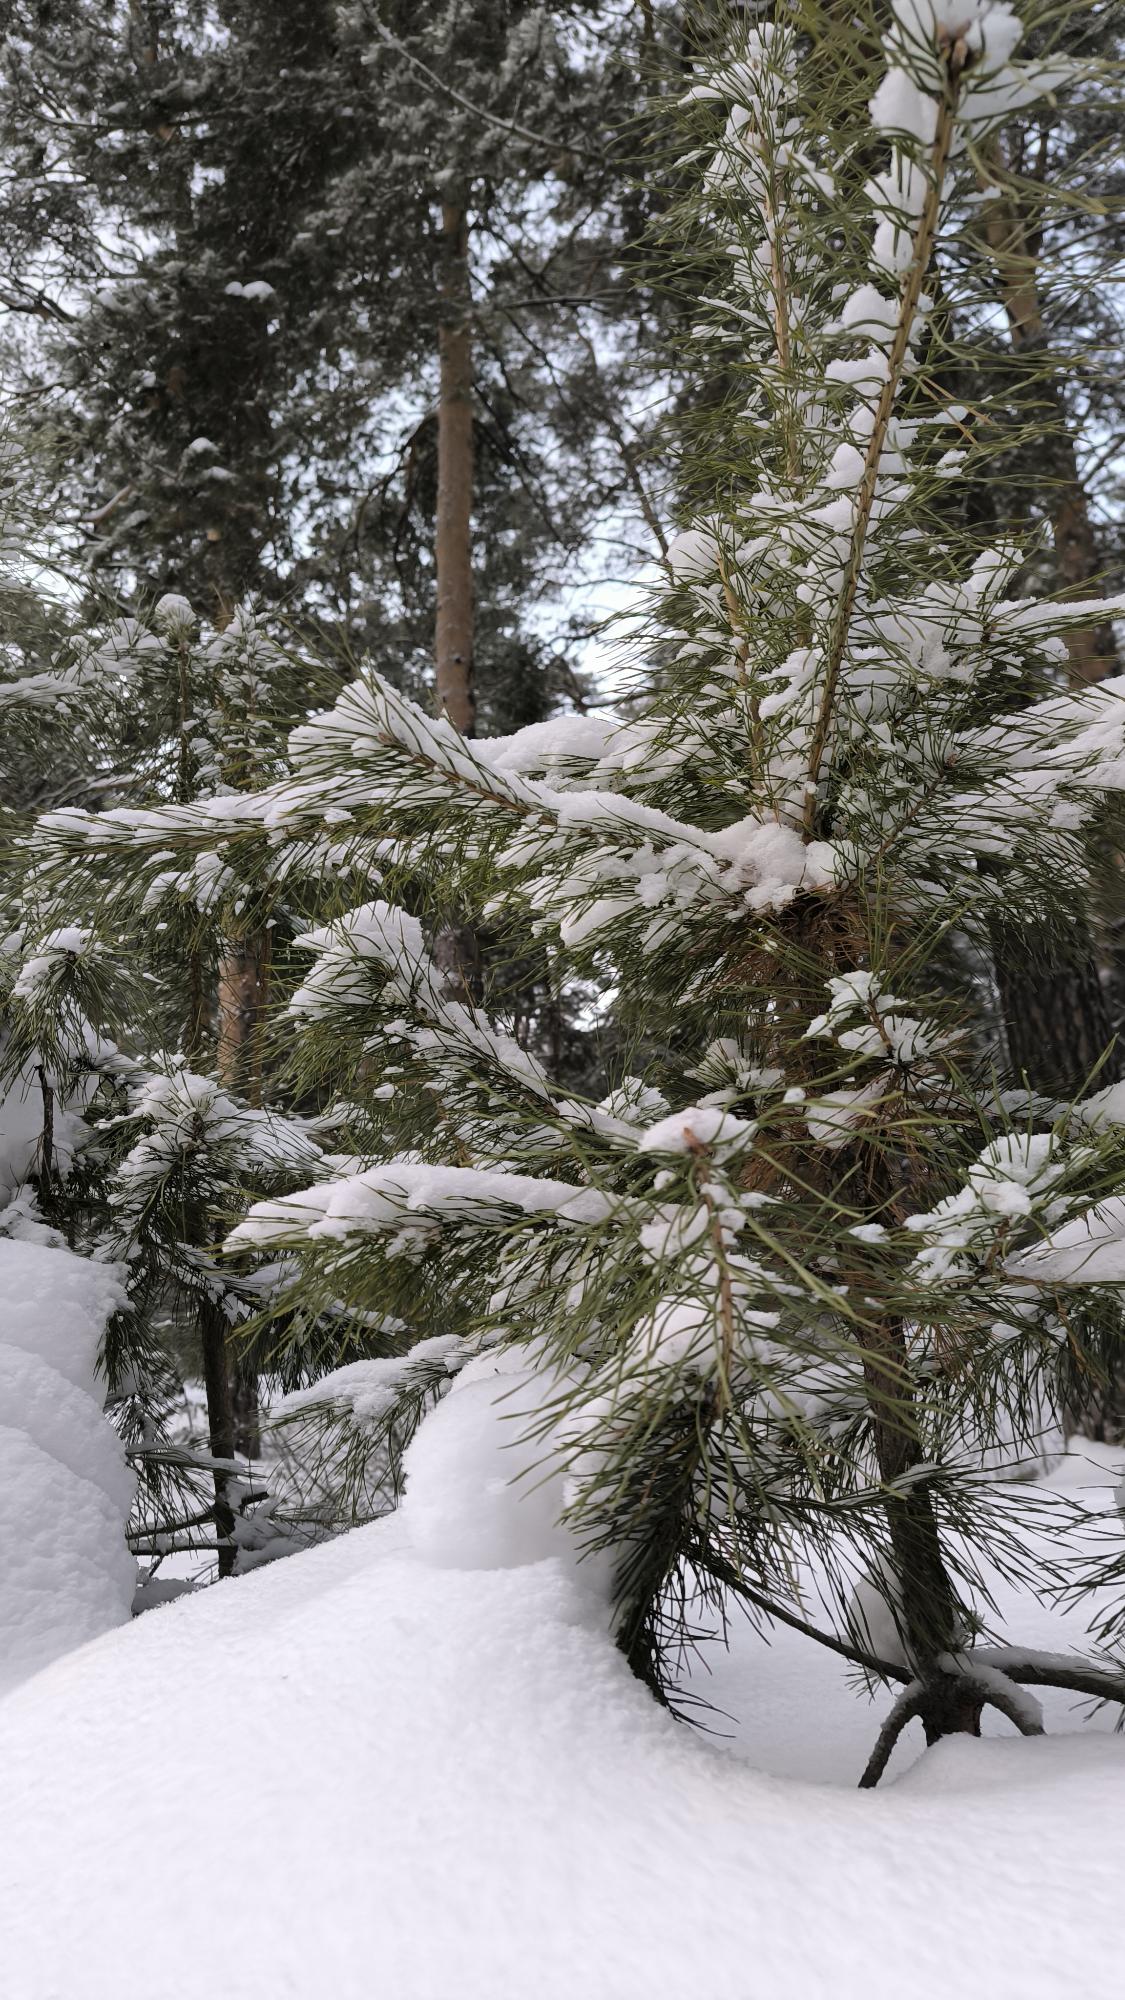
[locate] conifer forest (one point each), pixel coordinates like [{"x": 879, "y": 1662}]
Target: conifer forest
[{"x": 562, "y": 999}]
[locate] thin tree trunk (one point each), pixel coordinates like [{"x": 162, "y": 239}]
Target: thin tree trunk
[
  {"x": 927, "y": 1604},
  {"x": 47, "y": 1133},
  {"x": 453, "y": 554},
  {"x": 456, "y": 951},
  {"x": 243, "y": 978},
  {"x": 211, "y": 1320},
  {"x": 244, "y": 982},
  {"x": 930, "y": 1618},
  {"x": 220, "y": 1420},
  {"x": 246, "y": 1405}
]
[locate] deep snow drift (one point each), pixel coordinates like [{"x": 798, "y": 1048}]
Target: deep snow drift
[
  {"x": 65, "y": 1490},
  {"x": 366, "y": 1775}
]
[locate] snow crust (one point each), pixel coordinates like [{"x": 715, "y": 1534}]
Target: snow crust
[{"x": 65, "y": 1489}]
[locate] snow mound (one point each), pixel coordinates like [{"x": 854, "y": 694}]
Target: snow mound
[
  {"x": 487, "y": 1486},
  {"x": 65, "y": 1490},
  {"x": 454, "y": 1787}
]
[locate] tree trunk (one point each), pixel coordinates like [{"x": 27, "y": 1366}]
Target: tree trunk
[
  {"x": 1057, "y": 1023},
  {"x": 453, "y": 555},
  {"x": 220, "y": 1420},
  {"x": 930, "y": 1617},
  {"x": 246, "y": 1406},
  {"x": 244, "y": 981},
  {"x": 929, "y": 1613},
  {"x": 456, "y": 951}
]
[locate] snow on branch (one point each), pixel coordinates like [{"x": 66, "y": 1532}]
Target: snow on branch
[
  {"x": 443, "y": 1032},
  {"x": 411, "y": 1202}
]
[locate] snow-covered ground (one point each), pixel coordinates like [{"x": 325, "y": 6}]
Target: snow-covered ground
[
  {"x": 792, "y": 1708},
  {"x": 359, "y": 1773}
]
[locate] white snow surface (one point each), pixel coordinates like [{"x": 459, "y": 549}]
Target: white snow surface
[
  {"x": 21, "y": 1132},
  {"x": 453, "y": 1786},
  {"x": 398, "y": 1192},
  {"x": 65, "y": 1489}
]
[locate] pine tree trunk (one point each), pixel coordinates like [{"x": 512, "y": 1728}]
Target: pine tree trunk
[
  {"x": 1057, "y": 1023},
  {"x": 927, "y": 1606},
  {"x": 246, "y": 1407},
  {"x": 212, "y": 1322},
  {"x": 220, "y": 1420},
  {"x": 928, "y": 1603},
  {"x": 244, "y": 981},
  {"x": 456, "y": 951},
  {"x": 931, "y": 1621},
  {"x": 1093, "y": 651},
  {"x": 453, "y": 554}
]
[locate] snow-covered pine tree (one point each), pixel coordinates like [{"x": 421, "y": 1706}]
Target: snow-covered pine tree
[
  {"x": 1046, "y": 331},
  {"x": 66, "y": 1574},
  {"x": 50, "y": 736},
  {"x": 768, "y": 1302},
  {"x": 117, "y": 993}
]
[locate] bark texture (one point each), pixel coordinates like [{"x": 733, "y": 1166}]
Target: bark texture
[
  {"x": 245, "y": 1406},
  {"x": 947, "y": 1703},
  {"x": 244, "y": 983},
  {"x": 456, "y": 948},
  {"x": 1057, "y": 1022}
]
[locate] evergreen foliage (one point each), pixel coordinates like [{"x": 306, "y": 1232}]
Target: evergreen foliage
[
  {"x": 784, "y": 1289},
  {"x": 226, "y": 276},
  {"x": 115, "y": 1136}
]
